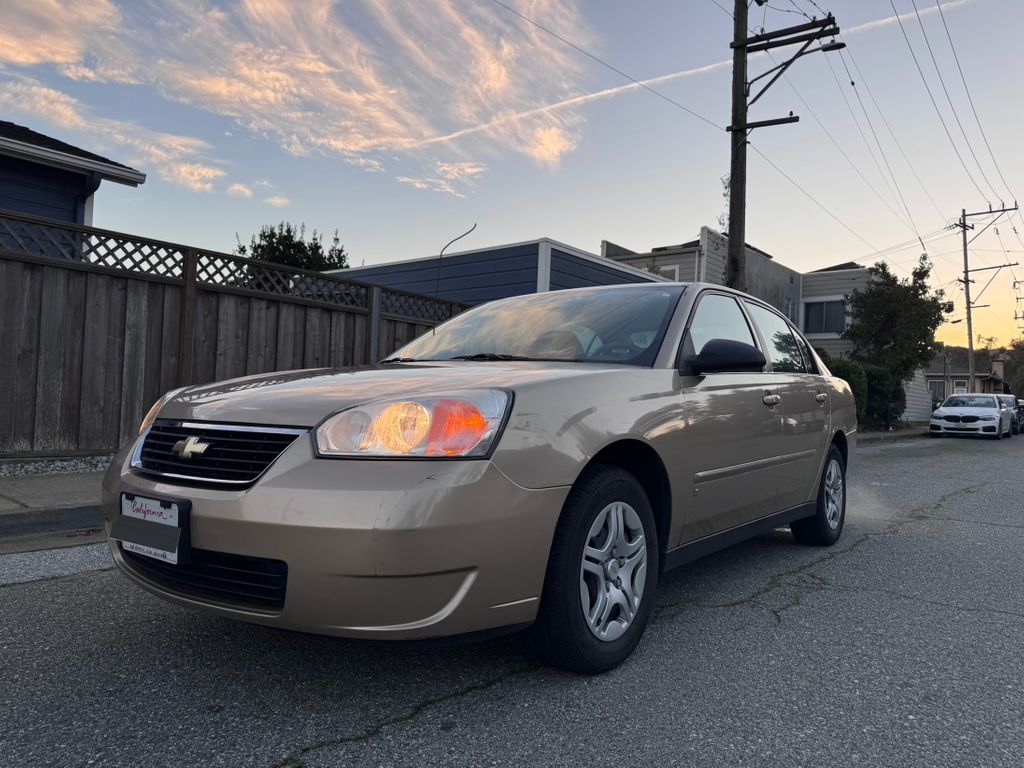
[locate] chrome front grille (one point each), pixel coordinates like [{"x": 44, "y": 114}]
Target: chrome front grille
[{"x": 221, "y": 454}]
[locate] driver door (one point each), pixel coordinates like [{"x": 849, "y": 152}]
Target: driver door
[{"x": 724, "y": 454}]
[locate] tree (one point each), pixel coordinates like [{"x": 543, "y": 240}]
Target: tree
[
  {"x": 286, "y": 244},
  {"x": 894, "y": 319}
]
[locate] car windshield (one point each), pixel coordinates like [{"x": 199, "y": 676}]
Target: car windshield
[
  {"x": 970, "y": 401},
  {"x": 613, "y": 325},
  {"x": 1008, "y": 401}
]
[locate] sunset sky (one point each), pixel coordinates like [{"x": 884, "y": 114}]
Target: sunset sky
[{"x": 402, "y": 122}]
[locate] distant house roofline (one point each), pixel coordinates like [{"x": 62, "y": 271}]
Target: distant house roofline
[
  {"x": 848, "y": 266},
  {"x": 26, "y": 144}
]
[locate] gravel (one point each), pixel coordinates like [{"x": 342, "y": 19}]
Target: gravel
[{"x": 54, "y": 466}]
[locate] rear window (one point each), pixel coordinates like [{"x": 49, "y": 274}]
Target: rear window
[{"x": 782, "y": 349}]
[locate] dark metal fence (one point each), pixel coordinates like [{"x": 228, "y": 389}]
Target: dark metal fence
[{"x": 95, "y": 325}]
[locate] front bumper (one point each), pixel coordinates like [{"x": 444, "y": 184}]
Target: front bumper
[
  {"x": 385, "y": 549},
  {"x": 942, "y": 427}
]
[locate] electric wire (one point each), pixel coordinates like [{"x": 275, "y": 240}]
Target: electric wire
[
  {"x": 931, "y": 97},
  {"x": 952, "y": 108},
  {"x": 888, "y": 127},
  {"x": 603, "y": 63},
  {"x": 881, "y": 150},
  {"x": 685, "y": 109}
]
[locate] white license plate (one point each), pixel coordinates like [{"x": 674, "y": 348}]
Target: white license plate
[{"x": 152, "y": 511}]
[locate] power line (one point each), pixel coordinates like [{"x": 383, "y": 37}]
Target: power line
[
  {"x": 881, "y": 150},
  {"x": 892, "y": 133},
  {"x": 812, "y": 198},
  {"x": 952, "y": 108},
  {"x": 932, "y": 98},
  {"x": 603, "y": 63}
]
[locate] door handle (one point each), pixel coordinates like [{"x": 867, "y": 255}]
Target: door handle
[
  {"x": 771, "y": 400},
  {"x": 821, "y": 397}
]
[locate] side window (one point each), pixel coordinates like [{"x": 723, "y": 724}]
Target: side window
[
  {"x": 782, "y": 350},
  {"x": 805, "y": 350},
  {"x": 716, "y": 317}
]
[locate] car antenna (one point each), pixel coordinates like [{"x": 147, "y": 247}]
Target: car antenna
[{"x": 437, "y": 276}]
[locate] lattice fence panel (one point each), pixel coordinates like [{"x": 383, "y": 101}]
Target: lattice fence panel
[
  {"x": 238, "y": 272},
  {"x": 412, "y": 306},
  {"x": 99, "y": 248}
]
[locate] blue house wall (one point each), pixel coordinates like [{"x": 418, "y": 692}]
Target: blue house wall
[
  {"x": 42, "y": 190},
  {"x": 480, "y": 276},
  {"x": 571, "y": 271},
  {"x": 470, "y": 278}
]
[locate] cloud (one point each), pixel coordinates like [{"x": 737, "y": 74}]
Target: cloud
[
  {"x": 361, "y": 80},
  {"x": 180, "y": 159},
  {"x": 240, "y": 190},
  {"x": 460, "y": 171},
  {"x": 353, "y": 79},
  {"x": 434, "y": 184},
  {"x": 277, "y": 201}
]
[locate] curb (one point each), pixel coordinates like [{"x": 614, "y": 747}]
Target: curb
[
  {"x": 24, "y": 522},
  {"x": 884, "y": 437}
]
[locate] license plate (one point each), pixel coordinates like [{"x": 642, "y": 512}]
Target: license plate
[{"x": 151, "y": 527}]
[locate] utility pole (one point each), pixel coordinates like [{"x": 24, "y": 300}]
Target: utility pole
[
  {"x": 964, "y": 226},
  {"x": 739, "y": 128}
]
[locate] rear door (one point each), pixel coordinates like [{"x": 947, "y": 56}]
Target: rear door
[
  {"x": 723, "y": 457},
  {"x": 803, "y": 407}
]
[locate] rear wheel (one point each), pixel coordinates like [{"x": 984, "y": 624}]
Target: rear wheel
[
  {"x": 602, "y": 574},
  {"x": 826, "y": 525}
]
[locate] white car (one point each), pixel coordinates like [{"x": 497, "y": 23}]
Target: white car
[{"x": 971, "y": 415}]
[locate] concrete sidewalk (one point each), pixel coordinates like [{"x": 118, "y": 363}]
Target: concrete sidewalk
[
  {"x": 866, "y": 438},
  {"x": 45, "y": 511}
]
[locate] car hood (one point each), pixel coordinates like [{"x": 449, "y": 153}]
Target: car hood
[
  {"x": 966, "y": 412},
  {"x": 305, "y": 398}
]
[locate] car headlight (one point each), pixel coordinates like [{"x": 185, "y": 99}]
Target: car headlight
[
  {"x": 986, "y": 418},
  {"x": 457, "y": 424},
  {"x": 152, "y": 413}
]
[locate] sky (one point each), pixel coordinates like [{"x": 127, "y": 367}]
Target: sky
[{"x": 401, "y": 123}]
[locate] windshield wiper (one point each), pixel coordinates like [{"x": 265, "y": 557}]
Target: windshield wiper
[
  {"x": 399, "y": 360},
  {"x": 490, "y": 356}
]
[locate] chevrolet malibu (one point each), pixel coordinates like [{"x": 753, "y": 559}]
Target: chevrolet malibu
[{"x": 539, "y": 460}]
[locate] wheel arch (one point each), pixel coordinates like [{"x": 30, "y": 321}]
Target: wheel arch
[
  {"x": 645, "y": 464},
  {"x": 839, "y": 441}
]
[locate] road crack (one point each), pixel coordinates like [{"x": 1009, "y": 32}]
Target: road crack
[
  {"x": 782, "y": 579},
  {"x": 294, "y": 760}
]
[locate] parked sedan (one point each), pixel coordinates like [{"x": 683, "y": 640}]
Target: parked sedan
[
  {"x": 971, "y": 415},
  {"x": 539, "y": 461},
  {"x": 1009, "y": 404}
]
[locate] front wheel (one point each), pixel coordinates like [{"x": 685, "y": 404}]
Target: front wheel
[
  {"x": 602, "y": 574},
  {"x": 825, "y": 526}
]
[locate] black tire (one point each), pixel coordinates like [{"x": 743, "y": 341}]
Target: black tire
[
  {"x": 561, "y": 635},
  {"x": 935, "y": 434},
  {"x": 999, "y": 433},
  {"x": 816, "y": 530}
]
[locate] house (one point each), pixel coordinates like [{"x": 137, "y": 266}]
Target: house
[
  {"x": 43, "y": 176},
  {"x": 815, "y": 301},
  {"x": 946, "y": 377},
  {"x": 704, "y": 260},
  {"x": 497, "y": 272}
]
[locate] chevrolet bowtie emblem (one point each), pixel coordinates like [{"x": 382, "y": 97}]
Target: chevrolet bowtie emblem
[{"x": 189, "y": 447}]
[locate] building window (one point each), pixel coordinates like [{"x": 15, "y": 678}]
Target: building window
[
  {"x": 959, "y": 386},
  {"x": 825, "y": 317},
  {"x": 938, "y": 390}
]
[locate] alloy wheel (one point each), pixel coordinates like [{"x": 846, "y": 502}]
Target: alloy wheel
[
  {"x": 613, "y": 571},
  {"x": 833, "y": 494}
]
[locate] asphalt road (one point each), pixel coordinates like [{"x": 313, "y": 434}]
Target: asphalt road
[{"x": 900, "y": 646}]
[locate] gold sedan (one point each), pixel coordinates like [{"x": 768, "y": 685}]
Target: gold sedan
[{"x": 536, "y": 461}]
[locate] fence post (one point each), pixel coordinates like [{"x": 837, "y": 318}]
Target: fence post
[
  {"x": 373, "y": 337},
  {"x": 188, "y": 316}
]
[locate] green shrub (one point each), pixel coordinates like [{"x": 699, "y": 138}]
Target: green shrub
[
  {"x": 853, "y": 374},
  {"x": 883, "y": 389}
]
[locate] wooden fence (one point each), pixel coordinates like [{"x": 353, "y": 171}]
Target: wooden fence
[{"x": 96, "y": 325}]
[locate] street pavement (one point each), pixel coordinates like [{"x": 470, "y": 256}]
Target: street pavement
[{"x": 900, "y": 646}]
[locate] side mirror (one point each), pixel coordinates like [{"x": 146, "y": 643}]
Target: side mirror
[{"x": 723, "y": 355}]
